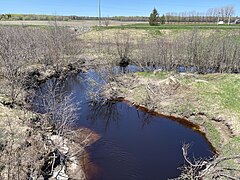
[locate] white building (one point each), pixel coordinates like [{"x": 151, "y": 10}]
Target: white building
[{"x": 220, "y": 22}]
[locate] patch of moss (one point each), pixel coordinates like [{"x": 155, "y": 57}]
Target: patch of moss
[
  {"x": 213, "y": 134},
  {"x": 158, "y": 75},
  {"x": 185, "y": 108},
  {"x": 232, "y": 147}
]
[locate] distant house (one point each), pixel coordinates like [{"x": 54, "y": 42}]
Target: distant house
[
  {"x": 220, "y": 22},
  {"x": 237, "y": 21}
]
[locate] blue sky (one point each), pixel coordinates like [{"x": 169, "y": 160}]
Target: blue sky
[{"x": 110, "y": 7}]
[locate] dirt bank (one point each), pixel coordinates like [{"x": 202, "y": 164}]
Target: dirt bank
[
  {"x": 210, "y": 102},
  {"x": 28, "y": 144}
]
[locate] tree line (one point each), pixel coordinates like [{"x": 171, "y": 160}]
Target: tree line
[
  {"x": 31, "y": 17},
  {"x": 212, "y": 15}
]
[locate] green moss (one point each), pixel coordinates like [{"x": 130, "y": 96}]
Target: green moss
[
  {"x": 221, "y": 92},
  {"x": 158, "y": 75},
  {"x": 232, "y": 148},
  {"x": 213, "y": 134}
]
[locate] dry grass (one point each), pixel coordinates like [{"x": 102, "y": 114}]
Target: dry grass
[
  {"x": 213, "y": 96},
  {"x": 13, "y": 121},
  {"x": 109, "y": 35},
  {"x": 81, "y": 23}
]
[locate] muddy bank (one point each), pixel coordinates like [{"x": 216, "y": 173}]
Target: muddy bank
[
  {"x": 26, "y": 140},
  {"x": 181, "y": 120},
  {"x": 39, "y": 74},
  {"x": 197, "y": 101},
  {"x": 168, "y": 97},
  {"x": 52, "y": 156}
]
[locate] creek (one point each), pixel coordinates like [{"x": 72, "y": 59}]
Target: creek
[{"x": 133, "y": 144}]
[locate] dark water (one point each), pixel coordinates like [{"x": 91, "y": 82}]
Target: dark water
[{"x": 133, "y": 144}]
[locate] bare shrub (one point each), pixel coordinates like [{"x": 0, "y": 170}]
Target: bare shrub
[
  {"x": 20, "y": 48},
  {"x": 61, "y": 46},
  {"x": 124, "y": 47},
  {"x": 58, "y": 111},
  {"x": 194, "y": 51},
  {"x": 211, "y": 168},
  {"x": 16, "y": 51}
]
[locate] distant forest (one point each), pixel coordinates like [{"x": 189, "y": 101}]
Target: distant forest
[
  {"x": 225, "y": 14},
  {"x": 33, "y": 17}
]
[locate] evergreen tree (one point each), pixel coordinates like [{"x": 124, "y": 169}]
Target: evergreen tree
[
  {"x": 154, "y": 18},
  {"x": 163, "y": 19}
]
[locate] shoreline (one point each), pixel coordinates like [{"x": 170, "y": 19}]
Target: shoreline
[
  {"x": 60, "y": 145},
  {"x": 181, "y": 120},
  {"x": 177, "y": 117},
  {"x": 186, "y": 99}
]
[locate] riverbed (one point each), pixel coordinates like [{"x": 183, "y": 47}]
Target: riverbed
[{"x": 134, "y": 143}]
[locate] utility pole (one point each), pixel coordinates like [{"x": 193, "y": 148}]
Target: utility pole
[
  {"x": 218, "y": 16},
  {"x": 99, "y": 12}
]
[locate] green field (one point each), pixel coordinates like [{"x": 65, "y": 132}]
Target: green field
[{"x": 146, "y": 26}]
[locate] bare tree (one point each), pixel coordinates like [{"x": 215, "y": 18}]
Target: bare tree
[
  {"x": 212, "y": 168},
  {"x": 229, "y": 11},
  {"x": 106, "y": 21}
]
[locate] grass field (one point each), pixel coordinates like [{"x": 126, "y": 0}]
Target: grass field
[
  {"x": 146, "y": 26},
  {"x": 122, "y": 25}
]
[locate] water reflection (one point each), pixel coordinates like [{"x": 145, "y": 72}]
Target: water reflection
[
  {"x": 106, "y": 111},
  {"x": 145, "y": 118}
]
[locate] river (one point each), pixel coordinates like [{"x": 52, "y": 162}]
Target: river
[{"x": 133, "y": 144}]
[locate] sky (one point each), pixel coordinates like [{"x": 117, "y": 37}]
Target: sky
[{"x": 110, "y": 7}]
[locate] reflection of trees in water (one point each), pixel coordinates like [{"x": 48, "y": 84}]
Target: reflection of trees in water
[
  {"x": 46, "y": 94},
  {"x": 71, "y": 81},
  {"x": 106, "y": 111},
  {"x": 145, "y": 117},
  {"x": 55, "y": 105}
]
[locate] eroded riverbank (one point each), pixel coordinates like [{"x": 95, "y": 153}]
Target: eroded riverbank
[
  {"x": 30, "y": 145},
  {"x": 134, "y": 143},
  {"x": 199, "y": 99}
]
